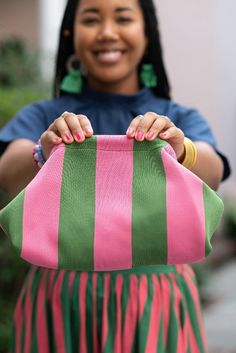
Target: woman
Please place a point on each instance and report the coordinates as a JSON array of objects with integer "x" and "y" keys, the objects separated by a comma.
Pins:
[{"x": 154, "y": 309}]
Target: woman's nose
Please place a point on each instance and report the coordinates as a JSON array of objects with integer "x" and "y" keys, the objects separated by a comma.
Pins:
[{"x": 108, "y": 30}]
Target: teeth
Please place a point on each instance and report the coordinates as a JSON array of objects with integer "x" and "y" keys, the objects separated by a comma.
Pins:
[{"x": 112, "y": 55}]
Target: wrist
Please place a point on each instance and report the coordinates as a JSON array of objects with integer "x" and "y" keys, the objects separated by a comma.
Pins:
[
  {"x": 38, "y": 155},
  {"x": 189, "y": 157}
]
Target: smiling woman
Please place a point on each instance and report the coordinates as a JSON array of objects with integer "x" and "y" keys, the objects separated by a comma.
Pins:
[
  {"x": 110, "y": 34},
  {"x": 124, "y": 90}
]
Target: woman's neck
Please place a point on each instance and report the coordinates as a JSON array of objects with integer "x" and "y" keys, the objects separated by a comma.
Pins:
[{"x": 125, "y": 86}]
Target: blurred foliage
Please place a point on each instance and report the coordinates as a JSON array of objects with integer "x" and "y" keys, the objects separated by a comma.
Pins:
[
  {"x": 19, "y": 64},
  {"x": 20, "y": 84},
  {"x": 13, "y": 99},
  {"x": 229, "y": 222}
]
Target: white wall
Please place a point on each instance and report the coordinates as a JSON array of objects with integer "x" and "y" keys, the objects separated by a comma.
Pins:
[
  {"x": 50, "y": 15},
  {"x": 199, "y": 47}
]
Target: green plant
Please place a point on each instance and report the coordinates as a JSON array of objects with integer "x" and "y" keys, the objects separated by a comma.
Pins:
[{"x": 19, "y": 63}]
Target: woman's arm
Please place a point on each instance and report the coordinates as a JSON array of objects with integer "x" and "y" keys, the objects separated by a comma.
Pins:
[
  {"x": 17, "y": 168},
  {"x": 209, "y": 166}
]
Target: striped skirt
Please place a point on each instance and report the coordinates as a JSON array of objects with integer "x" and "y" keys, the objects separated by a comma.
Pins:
[{"x": 155, "y": 310}]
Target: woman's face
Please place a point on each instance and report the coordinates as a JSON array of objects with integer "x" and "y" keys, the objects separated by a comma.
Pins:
[{"x": 110, "y": 41}]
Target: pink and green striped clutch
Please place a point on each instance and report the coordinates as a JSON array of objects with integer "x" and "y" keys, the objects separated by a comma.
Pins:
[{"x": 112, "y": 203}]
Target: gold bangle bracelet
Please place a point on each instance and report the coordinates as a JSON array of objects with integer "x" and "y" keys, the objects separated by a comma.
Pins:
[{"x": 190, "y": 154}]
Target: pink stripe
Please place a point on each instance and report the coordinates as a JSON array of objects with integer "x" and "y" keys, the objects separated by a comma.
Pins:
[
  {"x": 18, "y": 314},
  {"x": 185, "y": 212},
  {"x": 106, "y": 293},
  {"x": 82, "y": 312},
  {"x": 143, "y": 291},
  {"x": 118, "y": 334},
  {"x": 155, "y": 317},
  {"x": 28, "y": 314},
  {"x": 114, "y": 171},
  {"x": 191, "y": 336},
  {"x": 95, "y": 331},
  {"x": 41, "y": 323},
  {"x": 58, "y": 314},
  {"x": 194, "y": 291},
  {"x": 165, "y": 293},
  {"x": 177, "y": 300},
  {"x": 41, "y": 213},
  {"x": 131, "y": 315},
  {"x": 71, "y": 282}
]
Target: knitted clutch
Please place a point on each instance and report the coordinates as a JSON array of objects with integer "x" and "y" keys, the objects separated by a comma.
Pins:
[{"x": 112, "y": 203}]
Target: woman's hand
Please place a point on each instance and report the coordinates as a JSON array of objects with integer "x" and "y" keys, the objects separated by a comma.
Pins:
[
  {"x": 68, "y": 128},
  {"x": 151, "y": 125}
]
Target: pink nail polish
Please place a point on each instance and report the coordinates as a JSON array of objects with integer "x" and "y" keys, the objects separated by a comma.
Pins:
[
  {"x": 68, "y": 137},
  {"x": 79, "y": 136},
  {"x": 140, "y": 136},
  {"x": 130, "y": 132},
  {"x": 150, "y": 135},
  {"x": 88, "y": 130}
]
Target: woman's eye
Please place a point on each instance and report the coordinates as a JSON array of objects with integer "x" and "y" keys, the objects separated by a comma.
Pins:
[
  {"x": 124, "y": 19},
  {"x": 90, "y": 21}
]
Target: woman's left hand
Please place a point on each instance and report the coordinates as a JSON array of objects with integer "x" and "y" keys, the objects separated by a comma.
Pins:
[{"x": 151, "y": 125}]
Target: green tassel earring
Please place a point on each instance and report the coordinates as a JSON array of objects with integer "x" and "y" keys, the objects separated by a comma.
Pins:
[
  {"x": 147, "y": 76},
  {"x": 72, "y": 82}
]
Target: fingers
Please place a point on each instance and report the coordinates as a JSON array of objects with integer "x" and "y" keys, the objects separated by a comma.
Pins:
[
  {"x": 67, "y": 128},
  {"x": 148, "y": 126},
  {"x": 71, "y": 127}
]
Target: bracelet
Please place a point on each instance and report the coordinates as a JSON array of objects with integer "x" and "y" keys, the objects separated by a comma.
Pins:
[
  {"x": 38, "y": 156},
  {"x": 190, "y": 154}
]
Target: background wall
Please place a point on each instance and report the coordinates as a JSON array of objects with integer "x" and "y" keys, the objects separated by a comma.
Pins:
[{"x": 198, "y": 39}]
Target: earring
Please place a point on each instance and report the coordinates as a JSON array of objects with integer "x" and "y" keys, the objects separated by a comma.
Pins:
[
  {"x": 72, "y": 82},
  {"x": 148, "y": 76}
]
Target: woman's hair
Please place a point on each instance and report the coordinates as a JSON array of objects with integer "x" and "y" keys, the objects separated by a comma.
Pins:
[{"x": 153, "y": 54}]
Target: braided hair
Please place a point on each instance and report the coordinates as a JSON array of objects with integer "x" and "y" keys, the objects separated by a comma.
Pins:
[{"x": 152, "y": 56}]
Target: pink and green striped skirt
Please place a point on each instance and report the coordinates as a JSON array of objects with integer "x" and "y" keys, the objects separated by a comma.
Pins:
[{"x": 150, "y": 310}]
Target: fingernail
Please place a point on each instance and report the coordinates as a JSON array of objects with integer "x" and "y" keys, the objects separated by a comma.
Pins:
[
  {"x": 68, "y": 137},
  {"x": 88, "y": 130},
  {"x": 79, "y": 136},
  {"x": 150, "y": 135},
  {"x": 140, "y": 136},
  {"x": 130, "y": 132}
]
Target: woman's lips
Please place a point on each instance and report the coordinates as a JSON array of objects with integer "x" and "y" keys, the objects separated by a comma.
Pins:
[{"x": 109, "y": 56}]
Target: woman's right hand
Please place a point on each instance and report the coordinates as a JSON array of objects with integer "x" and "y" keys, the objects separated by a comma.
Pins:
[{"x": 68, "y": 128}]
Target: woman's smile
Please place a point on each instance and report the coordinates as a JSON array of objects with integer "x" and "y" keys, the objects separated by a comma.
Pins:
[{"x": 109, "y": 56}]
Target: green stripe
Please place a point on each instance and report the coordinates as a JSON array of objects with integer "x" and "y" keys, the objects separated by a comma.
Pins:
[
  {"x": 109, "y": 346},
  {"x": 75, "y": 326},
  {"x": 149, "y": 200},
  {"x": 193, "y": 314},
  {"x": 173, "y": 328},
  {"x": 145, "y": 320},
  {"x": 22, "y": 343},
  {"x": 89, "y": 313},
  {"x": 100, "y": 295},
  {"x": 13, "y": 226},
  {"x": 49, "y": 313},
  {"x": 214, "y": 208},
  {"x": 125, "y": 297},
  {"x": 161, "y": 344},
  {"x": 34, "y": 291},
  {"x": 76, "y": 229},
  {"x": 65, "y": 303}
]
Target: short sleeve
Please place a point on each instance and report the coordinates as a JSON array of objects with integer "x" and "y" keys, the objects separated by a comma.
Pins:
[
  {"x": 28, "y": 123},
  {"x": 195, "y": 127}
]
